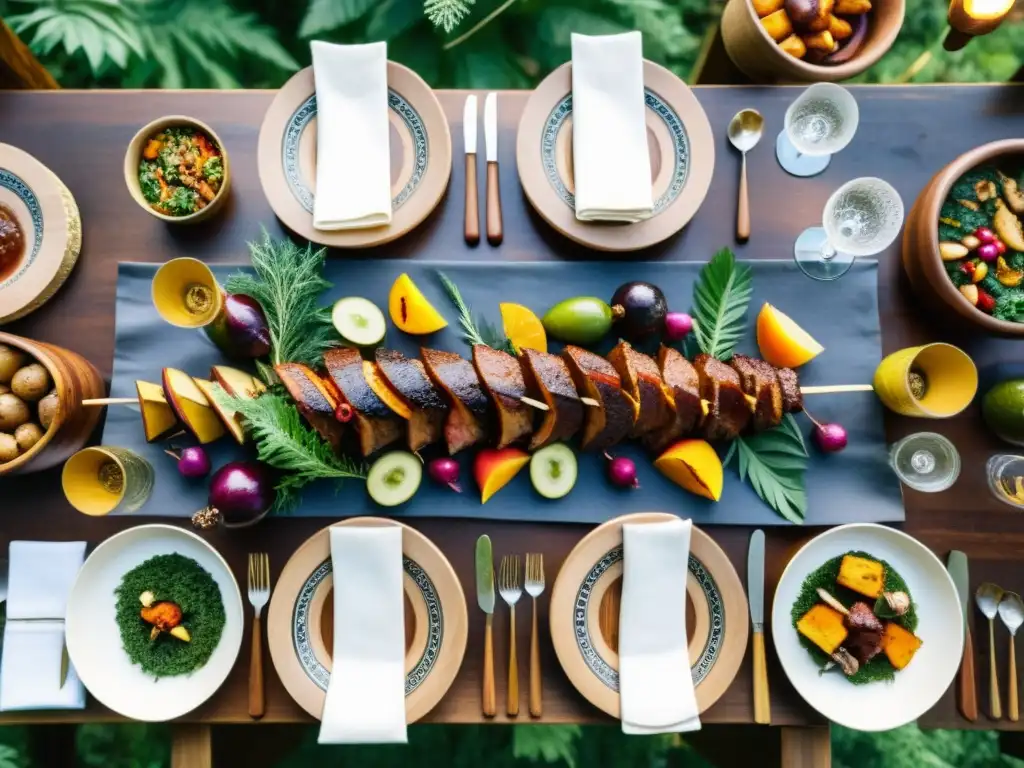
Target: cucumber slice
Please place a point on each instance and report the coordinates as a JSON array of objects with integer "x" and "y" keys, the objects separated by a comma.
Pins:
[
  {"x": 394, "y": 478},
  {"x": 553, "y": 470},
  {"x": 359, "y": 321}
]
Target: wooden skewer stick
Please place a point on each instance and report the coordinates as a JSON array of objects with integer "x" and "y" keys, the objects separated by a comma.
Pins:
[
  {"x": 534, "y": 403},
  {"x": 112, "y": 401},
  {"x": 832, "y": 388},
  {"x": 590, "y": 401}
]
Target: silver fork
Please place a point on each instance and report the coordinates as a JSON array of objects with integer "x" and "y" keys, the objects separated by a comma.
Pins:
[
  {"x": 259, "y": 593},
  {"x": 510, "y": 590},
  {"x": 534, "y": 588}
]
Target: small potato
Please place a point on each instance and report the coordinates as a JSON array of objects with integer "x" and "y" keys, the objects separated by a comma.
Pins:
[
  {"x": 794, "y": 46},
  {"x": 840, "y": 28},
  {"x": 4, "y": 389},
  {"x": 48, "y": 409},
  {"x": 766, "y": 7},
  {"x": 11, "y": 360},
  {"x": 852, "y": 7},
  {"x": 778, "y": 26},
  {"x": 13, "y": 412},
  {"x": 8, "y": 448},
  {"x": 31, "y": 382},
  {"x": 822, "y": 41},
  {"x": 28, "y": 435}
]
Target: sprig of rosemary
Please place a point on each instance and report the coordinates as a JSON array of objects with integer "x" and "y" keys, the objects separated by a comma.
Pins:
[
  {"x": 286, "y": 444},
  {"x": 473, "y": 331},
  {"x": 774, "y": 462},
  {"x": 288, "y": 285},
  {"x": 720, "y": 298}
]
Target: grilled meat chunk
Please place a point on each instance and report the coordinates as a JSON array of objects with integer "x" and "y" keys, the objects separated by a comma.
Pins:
[
  {"x": 641, "y": 380},
  {"x": 376, "y": 424},
  {"x": 316, "y": 399},
  {"x": 471, "y": 410},
  {"x": 595, "y": 377},
  {"x": 792, "y": 398},
  {"x": 502, "y": 377},
  {"x": 548, "y": 376},
  {"x": 683, "y": 385},
  {"x": 427, "y": 407},
  {"x": 728, "y": 409},
  {"x": 865, "y": 639},
  {"x": 759, "y": 381}
]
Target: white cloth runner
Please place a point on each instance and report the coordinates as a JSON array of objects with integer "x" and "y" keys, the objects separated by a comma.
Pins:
[
  {"x": 366, "y": 695},
  {"x": 353, "y": 159},
  {"x": 611, "y": 164},
  {"x": 40, "y": 578},
  {"x": 655, "y": 683}
]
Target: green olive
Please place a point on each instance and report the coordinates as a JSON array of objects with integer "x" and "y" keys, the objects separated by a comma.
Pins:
[{"x": 582, "y": 320}]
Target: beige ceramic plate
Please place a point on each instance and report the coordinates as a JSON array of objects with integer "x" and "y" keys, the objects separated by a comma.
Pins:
[
  {"x": 421, "y": 157},
  {"x": 584, "y": 614},
  {"x": 48, "y": 217},
  {"x": 300, "y": 627},
  {"x": 682, "y": 159}
]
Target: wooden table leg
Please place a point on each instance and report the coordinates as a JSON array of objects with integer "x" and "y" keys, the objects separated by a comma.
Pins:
[
  {"x": 806, "y": 747},
  {"x": 191, "y": 746}
]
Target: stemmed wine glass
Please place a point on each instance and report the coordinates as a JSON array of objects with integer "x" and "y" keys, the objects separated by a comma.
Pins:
[
  {"x": 861, "y": 218},
  {"x": 821, "y": 121}
]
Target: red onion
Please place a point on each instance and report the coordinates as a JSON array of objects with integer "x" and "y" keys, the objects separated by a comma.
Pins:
[
  {"x": 192, "y": 461},
  {"x": 241, "y": 493},
  {"x": 988, "y": 252},
  {"x": 622, "y": 472},
  {"x": 246, "y": 326},
  {"x": 446, "y": 472},
  {"x": 677, "y": 326},
  {"x": 985, "y": 234},
  {"x": 830, "y": 438}
]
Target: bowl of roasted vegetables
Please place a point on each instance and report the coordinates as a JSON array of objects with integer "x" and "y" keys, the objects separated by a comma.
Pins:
[
  {"x": 867, "y": 626},
  {"x": 177, "y": 169},
  {"x": 963, "y": 246}
]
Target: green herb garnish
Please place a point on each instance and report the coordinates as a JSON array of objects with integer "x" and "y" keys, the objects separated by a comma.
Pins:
[
  {"x": 185, "y": 582},
  {"x": 720, "y": 298},
  {"x": 774, "y": 462},
  {"x": 182, "y": 202},
  {"x": 213, "y": 169},
  {"x": 474, "y": 331},
  {"x": 878, "y": 668},
  {"x": 148, "y": 183}
]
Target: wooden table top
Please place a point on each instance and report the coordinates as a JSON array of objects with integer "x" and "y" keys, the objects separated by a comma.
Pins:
[{"x": 906, "y": 134}]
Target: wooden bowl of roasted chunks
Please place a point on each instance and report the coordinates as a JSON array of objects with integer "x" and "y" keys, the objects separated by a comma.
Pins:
[{"x": 809, "y": 40}]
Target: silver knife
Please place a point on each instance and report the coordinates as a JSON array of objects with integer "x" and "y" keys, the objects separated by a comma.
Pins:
[
  {"x": 967, "y": 700},
  {"x": 485, "y": 599},
  {"x": 472, "y": 205},
  {"x": 755, "y": 594},
  {"x": 494, "y": 228}
]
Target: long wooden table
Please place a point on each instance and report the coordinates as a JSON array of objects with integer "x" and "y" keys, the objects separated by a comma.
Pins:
[{"x": 905, "y": 135}]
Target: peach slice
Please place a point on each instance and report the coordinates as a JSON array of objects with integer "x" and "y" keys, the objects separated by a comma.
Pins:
[
  {"x": 237, "y": 383},
  {"x": 693, "y": 465},
  {"x": 191, "y": 406},
  {"x": 410, "y": 310},
  {"x": 782, "y": 342},
  {"x": 494, "y": 468},
  {"x": 158, "y": 418},
  {"x": 230, "y": 419}
]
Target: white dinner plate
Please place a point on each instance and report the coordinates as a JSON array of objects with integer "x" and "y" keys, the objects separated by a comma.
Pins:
[
  {"x": 94, "y": 640},
  {"x": 877, "y": 706}
]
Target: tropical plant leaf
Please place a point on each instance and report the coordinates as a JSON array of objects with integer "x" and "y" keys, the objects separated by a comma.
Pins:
[
  {"x": 774, "y": 463},
  {"x": 546, "y": 743},
  {"x": 446, "y": 14},
  {"x": 325, "y": 15},
  {"x": 720, "y": 298},
  {"x": 391, "y": 18}
]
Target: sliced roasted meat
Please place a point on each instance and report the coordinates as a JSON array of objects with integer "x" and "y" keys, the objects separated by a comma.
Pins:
[
  {"x": 759, "y": 380},
  {"x": 376, "y": 424},
  {"x": 547, "y": 377},
  {"x": 316, "y": 399},
  {"x": 865, "y": 639},
  {"x": 502, "y": 377},
  {"x": 792, "y": 398},
  {"x": 427, "y": 407},
  {"x": 728, "y": 409},
  {"x": 683, "y": 385},
  {"x": 641, "y": 380},
  {"x": 470, "y": 408},
  {"x": 596, "y": 378}
]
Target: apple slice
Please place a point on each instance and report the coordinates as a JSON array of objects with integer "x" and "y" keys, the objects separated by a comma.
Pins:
[
  {"x": 237, "y": 383},
  {"x": 191, "y": 406},
  {"x": 228, "y": 418},
  {"x": 158, "y": 417}
]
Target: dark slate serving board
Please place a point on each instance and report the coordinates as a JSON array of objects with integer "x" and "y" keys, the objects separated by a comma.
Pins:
[{"x": 854, "y": 486}]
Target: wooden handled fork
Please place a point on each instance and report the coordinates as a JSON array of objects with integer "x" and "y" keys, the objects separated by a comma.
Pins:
[{"x": 259, "y": 593}]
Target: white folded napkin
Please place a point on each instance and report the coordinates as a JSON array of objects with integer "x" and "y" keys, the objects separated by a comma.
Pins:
[
  {"x": 40, "y": 577},
  {"x": 366, "y": 695},
  {"x": 611, "y": 164},
  {"x": 655, "y": 683},
  {"x": 353, "y": 159}
]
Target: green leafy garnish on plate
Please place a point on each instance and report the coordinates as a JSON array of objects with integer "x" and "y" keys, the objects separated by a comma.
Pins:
[
  {"x": 473, "y": 331},
  {"x": 774, "y": 462},
  {"x": 720, "y": 298}
]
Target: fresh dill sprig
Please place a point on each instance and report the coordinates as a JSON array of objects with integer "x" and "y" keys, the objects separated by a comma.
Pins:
[
  {"x": 473, "y": 332},
  {"x": 288, "y": 285}
]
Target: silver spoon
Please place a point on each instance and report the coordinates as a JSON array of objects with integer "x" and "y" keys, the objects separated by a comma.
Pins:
[
  {"x": 745, "y": 131},
  {"x": 987, "y": 599},
  {"x": 1011, "y": 611}
]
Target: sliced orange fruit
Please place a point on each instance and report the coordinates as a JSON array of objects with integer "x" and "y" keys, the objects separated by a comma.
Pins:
[
  {"x": 523, "y": 328},
  {"x": 782, "y": 342},
  {"x": 693, "y": 465},
  {"x": 494, "y": 468},
  {"x": 410, "y": 310}
]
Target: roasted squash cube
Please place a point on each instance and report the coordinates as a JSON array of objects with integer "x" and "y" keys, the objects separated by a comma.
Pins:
[
  {"x": 864, "y": 576},
  {"x": 824, "y": 627},
  {"x": 899, "y": 644}
]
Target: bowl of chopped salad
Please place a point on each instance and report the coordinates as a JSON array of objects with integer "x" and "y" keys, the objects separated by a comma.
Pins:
[{"x": 176, "y": 168}]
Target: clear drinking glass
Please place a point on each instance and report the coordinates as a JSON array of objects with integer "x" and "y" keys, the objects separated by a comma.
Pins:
[
  {"x": 861, "y": 218},
  {"x": 821, "y": 121},
  {"x": 925, "y": 461},
  {"x": 1006, "y": 478}
]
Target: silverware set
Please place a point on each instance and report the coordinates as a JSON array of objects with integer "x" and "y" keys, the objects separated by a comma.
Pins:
[
  {"x": 259, "y": 594},
  {"x": 493, "y": 191},
  {"x": 994, "y": 601}
]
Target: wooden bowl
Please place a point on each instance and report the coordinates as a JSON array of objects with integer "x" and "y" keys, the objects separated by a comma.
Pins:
[
  {"x": 921, "y": 257},
  {"x": 134, "y": 155},
  {"x": 759, "y": 57},
  {"x": 76, "y": 380}
]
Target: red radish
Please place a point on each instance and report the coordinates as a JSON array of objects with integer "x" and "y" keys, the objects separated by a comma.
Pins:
[
  {"x": 830, "y": 438},
  {"x": 192, "y": 461},
  {"x": 988, "y": 252},
  {"x": 622, "y": 472},
  {"x": 1000, "y": 246},
  {"x": 985, "y": 234},
  {"x": 677, "y": 326},
  {"x": 446, "y": 472}
]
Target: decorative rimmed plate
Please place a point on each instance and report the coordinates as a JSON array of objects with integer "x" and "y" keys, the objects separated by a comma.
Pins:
[
  {"x": 421, "y": 157},
  {"x": 875, "y": 706},
  {"x": 682, "y": 152},
  {"x": 94, "y": 640},
  {"x": 48, "y": 218},
  {"x": 584, "y": 614},
  {"x": 300, "y": 627}
]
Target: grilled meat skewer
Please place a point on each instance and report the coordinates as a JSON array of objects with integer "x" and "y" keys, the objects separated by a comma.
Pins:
[
  {"x": 427, "y": 406},
  {"x": 502, "y": 377},
  {"x": 316, "y": 398},
  {"x": 642, "y": 381},
  {"x": 548, "y": 376},
  {"x": 376, "y": 424},
  {"x": 471, "y": 411},
  {"x": 595, "y": 377}
]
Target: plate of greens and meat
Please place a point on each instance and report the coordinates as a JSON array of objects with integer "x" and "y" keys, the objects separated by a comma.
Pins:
[
  {"x": 868, "y": 626},
  {"x": 154, "y": 622}
]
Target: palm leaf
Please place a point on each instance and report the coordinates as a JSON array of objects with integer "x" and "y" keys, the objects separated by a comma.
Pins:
[
  {"x": 325, "y": 15},
  {"x": 774, "y": 463},
  {"x": 720, "y": 298}
]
